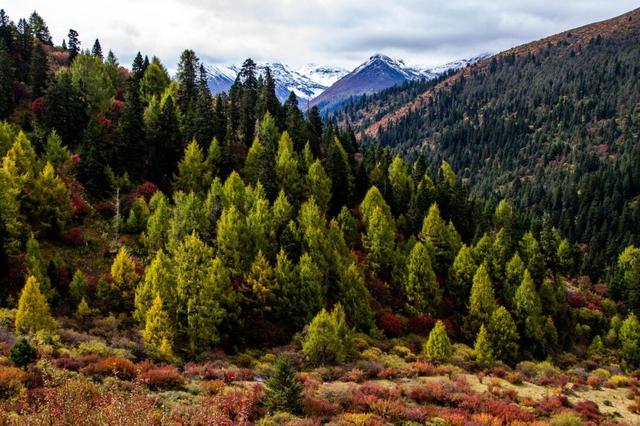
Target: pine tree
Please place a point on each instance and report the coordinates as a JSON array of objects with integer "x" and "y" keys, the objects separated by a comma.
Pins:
[
  {"x": 319, "y": 185},
  {"x": 503, "y": 334},
  {"x": 193, "y": 175},
  {"x": 444, "y": 239},
  {"x": 421, "y": 290},
  {"x": 131, "y": 149},
  {"x": 163, "y": 139},
  {"x": 38, "y": 70},
  {"x": 156, "y": 235},
  {"x": 158, "y": 333},
  {"x": 528, "y": 312},
  {"x": 401, "y": 184},
  {"x": 629, "y": 335},
  {"x": 565, "y": 257},
  {"x": 438, "y": 346},
  {"x": 354, "y": 297},
  {"x": 39, "y": 28},
  {"x": 379, "y": 240},
  {"x": 6, "y": 82},
  {"x": 33, "y": 311},
  {"x": 96, "y": 50},
  {"x": 36, "y": 266},
  {"x": 187, "y": 80},
  {"x": 230, "y": 239},
  {"x": 137, "y": 67},
  {"x": 532, "y": 256},
  {"x": 461, "y": 273},
  {"x": 514, "y": 271},
  {"x": 328, "y": 339},
  {"x": 338, "y": 168},
  {"x": 482, "y": 349},
  {"x": 124, "y": 277},
  {"x": 50, "y": 200},
  {"x": 159, "y": 279},
  {"x": 22, "y": 353},
  {"x": 284, "y": 391},
  {"x": 154, "y": 81},
  {"x": 372, "y": 200},
  {"x": 261, "y": 285},
  {"x": 66, "y": 109},
  {"x": 288, "y": 168},
  {"x": 482, "y": 302},
  {"x": 73, "y": 46},
  {"x": 78, "y": 287},
  {"x": 203, "y": 295}
]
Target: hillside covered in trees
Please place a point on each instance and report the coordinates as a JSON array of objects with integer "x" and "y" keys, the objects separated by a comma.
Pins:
[
  {"x": 552, "y": 126},
  {"x": 160, "y": 246}
]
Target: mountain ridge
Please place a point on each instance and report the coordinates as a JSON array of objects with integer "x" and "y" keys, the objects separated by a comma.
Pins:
[{"x": 580, "y": 34}]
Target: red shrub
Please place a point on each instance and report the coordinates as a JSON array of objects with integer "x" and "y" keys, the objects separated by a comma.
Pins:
[
  {"x": 390, "y": 373},
  {"x": 551, "y": 404},
  {"x": 354, "y": 375},
  {"x": 433, "y": 393},
  {"x": 113, "y": 366},
  {"x": 320, "y": 407},
  {"x": 79, "y": 205},
  {"x": 371, "y": 388},
  {"x": 165, "y": 377},
  {"x": 75, "y": 159},
  {"x": 74, "y": 237},
  {"x": 68, "y": 364},
  {"x": 393, "y": 325},
  {"x": 508, "y": 412},
  {"x": 85, "y": 360},
  {"x": 145, "y": 189},
  {"x": 576, "y": 300},
  {"x": 37, "y": 105},
  {"x": 241, "y": 404},
  {"x": 420, "y": 324},
  {"x": 423, "y": 368},
  {"x": 588, "y": 410}
]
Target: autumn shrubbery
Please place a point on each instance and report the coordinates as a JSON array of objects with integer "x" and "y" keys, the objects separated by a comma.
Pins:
[
  {"x": 120, "y": 368},
  {"x": 11, "y": 382},
  {"x": 163, "y": 377}
]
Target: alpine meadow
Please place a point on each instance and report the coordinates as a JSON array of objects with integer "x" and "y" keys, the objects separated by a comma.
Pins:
[{"x": 346, "y": 241}]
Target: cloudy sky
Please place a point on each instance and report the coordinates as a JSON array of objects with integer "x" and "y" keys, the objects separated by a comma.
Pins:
[{"x": 332, "y": 32}]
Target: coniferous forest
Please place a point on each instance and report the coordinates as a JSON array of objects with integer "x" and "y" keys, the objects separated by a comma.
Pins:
[{"x": 169, "y": 256}]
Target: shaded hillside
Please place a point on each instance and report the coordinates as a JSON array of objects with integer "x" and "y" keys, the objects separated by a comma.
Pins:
[{"x": 552, "y": 125}]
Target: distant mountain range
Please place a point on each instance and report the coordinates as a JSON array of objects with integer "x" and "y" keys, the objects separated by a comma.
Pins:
[
  {"x": 378, "y": 73},
  {"x": 307, "y": 82},
  {"x": 329, "y": 87}
]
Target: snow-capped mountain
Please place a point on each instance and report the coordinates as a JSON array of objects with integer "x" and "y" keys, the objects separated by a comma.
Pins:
[
  {"x": 378, "y": 73},
  {"x": 307, "y": 83}
]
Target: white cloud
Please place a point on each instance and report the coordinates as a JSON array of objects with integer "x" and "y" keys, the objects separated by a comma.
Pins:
[{"x": 322, "y": 31}]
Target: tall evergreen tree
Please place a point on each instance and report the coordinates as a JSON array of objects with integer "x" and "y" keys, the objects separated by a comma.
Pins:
[
  {"x": 38, "y": 70},
  {"x": 6, "y": 82},
  {"x": 96, "y": 50},
  {"x": 73, "y": 46}
]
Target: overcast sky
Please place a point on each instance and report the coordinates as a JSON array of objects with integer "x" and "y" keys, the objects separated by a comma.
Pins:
[{"x": 295, "y": 32}]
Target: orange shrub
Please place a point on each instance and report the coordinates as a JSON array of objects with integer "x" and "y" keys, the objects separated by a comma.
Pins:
[
  {"x": 165, "y": 377},
  {"x": 11, "y": 379},
  {"x": 113, "y": 366}
]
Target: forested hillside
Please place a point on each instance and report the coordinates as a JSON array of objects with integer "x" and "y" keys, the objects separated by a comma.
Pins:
[
  {"x": 161, "y": 246},
  {"x": 552, "y": 125}
]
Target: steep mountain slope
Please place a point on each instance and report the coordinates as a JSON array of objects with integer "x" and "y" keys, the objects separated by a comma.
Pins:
[
  {"x": 380, "y": 72},
  {"x": 551, "y": 124},
  {"x": 306, "y": 83}
]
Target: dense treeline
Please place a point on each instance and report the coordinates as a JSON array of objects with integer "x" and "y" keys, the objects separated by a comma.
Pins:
[
  {"x": 556, "y": 131},
  {"x": 237, "y": 219}
]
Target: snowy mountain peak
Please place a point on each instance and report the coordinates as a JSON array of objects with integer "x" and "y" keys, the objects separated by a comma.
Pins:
[{"x": 307, "y": 82}]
